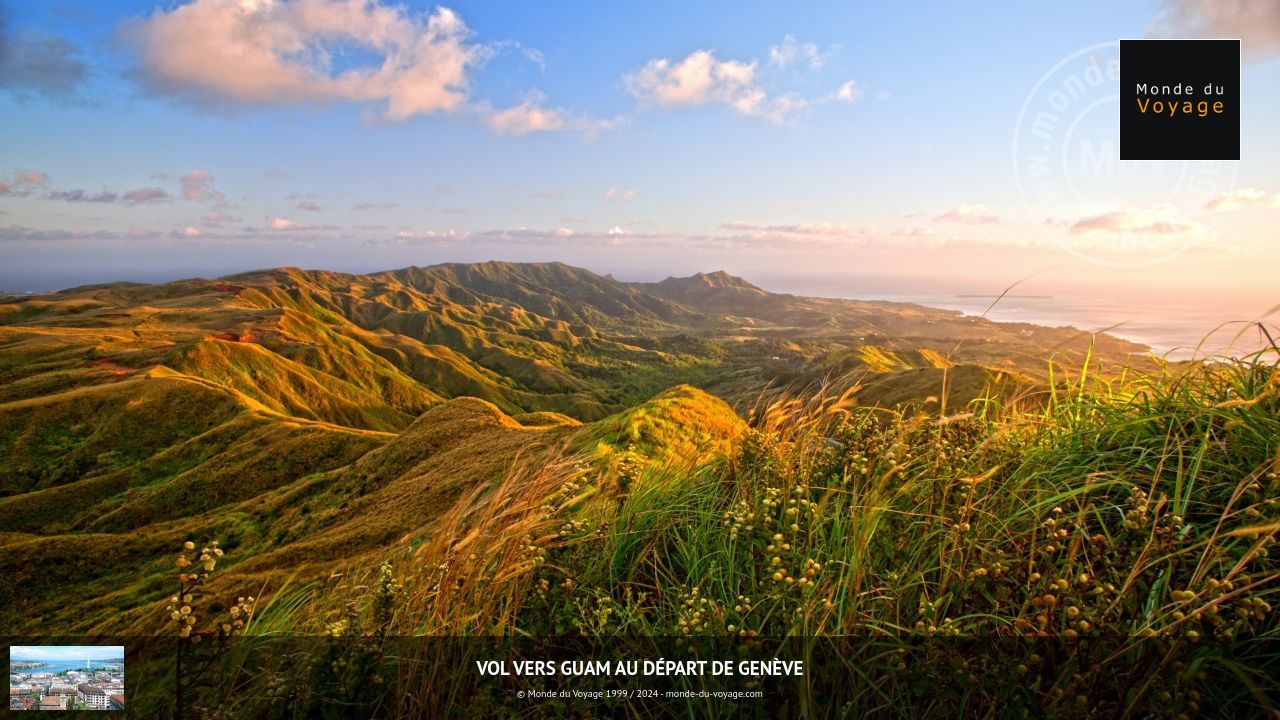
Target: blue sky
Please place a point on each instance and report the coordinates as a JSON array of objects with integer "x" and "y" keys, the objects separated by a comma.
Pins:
[
  {"x": 51, "y": 653},
  {"x": 867, "y": 141}
]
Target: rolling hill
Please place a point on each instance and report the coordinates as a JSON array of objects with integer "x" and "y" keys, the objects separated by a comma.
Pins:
[{"x": 311, "y": 418}]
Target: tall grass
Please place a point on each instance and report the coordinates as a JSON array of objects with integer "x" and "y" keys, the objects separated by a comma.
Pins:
[{"x": 1125, "y": 507}]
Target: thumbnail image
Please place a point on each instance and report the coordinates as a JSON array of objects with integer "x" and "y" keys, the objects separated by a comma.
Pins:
[{"x": 66, "y": 677}]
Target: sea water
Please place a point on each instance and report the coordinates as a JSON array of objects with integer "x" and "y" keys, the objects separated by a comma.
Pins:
[
  {"x": 57, "y": 666},
  {"x": 1172, "y": 330}
]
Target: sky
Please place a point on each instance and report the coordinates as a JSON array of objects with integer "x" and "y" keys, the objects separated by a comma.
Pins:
[
  {"x": 851, "y": 149},
  {"x": 66, "y": 653}
]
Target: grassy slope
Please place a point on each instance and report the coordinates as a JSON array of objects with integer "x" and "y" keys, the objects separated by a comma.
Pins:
[
  {"x": 1112, "y": 510},
  {"x": 269, "y": 409},
  {"x": 1129, "y": 493},
  {"x": 117, "y": 471},
  {"x": 267, "y": 492}
]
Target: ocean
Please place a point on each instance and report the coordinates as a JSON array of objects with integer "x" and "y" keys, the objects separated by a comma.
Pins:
[
  {"x": 57, "y": 666},
  {"x": 1177, "y": 324},
  {"x": 1174, "y": 331},
  {"x": 1174, "y": 326}
]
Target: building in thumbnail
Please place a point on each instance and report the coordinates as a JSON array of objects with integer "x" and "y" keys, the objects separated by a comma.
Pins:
[{"x": 93, "y": 696}]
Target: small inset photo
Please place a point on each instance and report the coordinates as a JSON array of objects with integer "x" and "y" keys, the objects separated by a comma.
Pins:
[{"x": 66, "y": 677}]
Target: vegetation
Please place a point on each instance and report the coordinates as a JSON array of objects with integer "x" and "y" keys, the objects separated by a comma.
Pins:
[
  {"x": 531, "y": 451},
  {"x": 299, "y": 415},
  {"x": 1142, "y": 510}
]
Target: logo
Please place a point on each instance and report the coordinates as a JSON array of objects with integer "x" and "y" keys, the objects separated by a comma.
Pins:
[
  {"x": 1180, "y": 99},
  {"x": 1087, "y": 196}
]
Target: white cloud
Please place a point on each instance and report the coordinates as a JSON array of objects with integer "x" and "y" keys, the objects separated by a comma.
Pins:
[
  {"x": 849, "y": 92},
  {"x": 1242, "y": 198},
  {"x": 791, "y": 52},
  {"x": 1255, "y": 22},
  {"x": 970, "y": 215},
  {"x": 617, "y": 193},
  {"x": 1157, "y": 220},
  {"x": 270, "y": 52},
  {"x": 739, "y": 225},
  {"x": 409, "y": 237},
  {"x": 286, "y": 224},
  {"x": 190, "y": 232},
  {"x": 701, "y": 78},
  {"x": 532, "y": 115},
  {"x": 617, "y": 231},
  {"x": 277, "y": 52}
]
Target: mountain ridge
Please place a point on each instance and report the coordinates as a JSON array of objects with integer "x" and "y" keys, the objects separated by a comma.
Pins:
[{"x": 308, "y": 417}]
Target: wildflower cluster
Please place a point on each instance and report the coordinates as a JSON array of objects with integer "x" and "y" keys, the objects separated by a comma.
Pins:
[
  {"x": 1218, "y": 609},
  {"x": 387, "y": 593},
  {"x": 596, "y": 614},
  {"x": 742, "y": 609},
  {"x": 760, "y": 453},
  {"x": 697, "y": 614},
  {"x": 183, "y": 609},
  {"x": 627, "y": 472},
  {"x": 739, "y": 519}
]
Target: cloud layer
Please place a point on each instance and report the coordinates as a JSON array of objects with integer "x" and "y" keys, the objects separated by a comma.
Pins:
[{"x": 29, "y": 183}]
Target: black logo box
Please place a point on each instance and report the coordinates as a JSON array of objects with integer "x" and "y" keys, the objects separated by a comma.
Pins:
[{"x": 1186, "y": 65}]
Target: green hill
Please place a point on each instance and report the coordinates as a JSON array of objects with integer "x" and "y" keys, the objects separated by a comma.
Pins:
[{"x": 309, "y": 419}]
